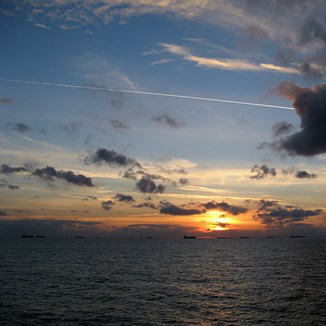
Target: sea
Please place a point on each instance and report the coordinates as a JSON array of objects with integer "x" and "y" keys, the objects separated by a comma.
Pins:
[{"x": 99, "y": 281}]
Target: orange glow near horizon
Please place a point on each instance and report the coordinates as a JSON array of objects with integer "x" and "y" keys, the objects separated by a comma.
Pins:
[{"x": 218, "y": 221}]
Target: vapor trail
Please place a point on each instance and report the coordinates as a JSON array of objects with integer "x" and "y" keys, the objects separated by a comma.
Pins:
[{"x": 188, "y": 97}]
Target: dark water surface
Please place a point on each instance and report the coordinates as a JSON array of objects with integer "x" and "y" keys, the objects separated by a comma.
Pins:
[{"x": 157, "y": 282}]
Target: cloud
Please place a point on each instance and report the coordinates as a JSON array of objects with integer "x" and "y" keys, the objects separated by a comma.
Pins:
[
  {"x": 281, "y": 128},
  {"x": 223, "y": 206},
  {"x": 110, "y": 157},
  {"x": 166, "y": 119},
  {"x": 309, "y": 104},
  {"x": 171, "y": 209},
  {"x": 6, "y": 101},
  {"x": 275, "y": 216},
  {"x": 3, "y": 213},
  {"x": 6, "y": 169},
  {"x": 145, "y": 205},
  {"x": 225, "y": 64},
  {"x": 147, "y": 185},
  {"x": 124, "y": 198},
  {"x": 305, "y": 175},
  {"x": 295, "y": 27},
  {"x": 262, "y": 171},
  {"x": 183, "y": 181},
  {"x": 50, "y": 174},
  {"x": 107, "y": 205},
  {"x": 19, "y": 127},
  {"x": 117, "y": 124},
  {"x": 4, "y": 184}
]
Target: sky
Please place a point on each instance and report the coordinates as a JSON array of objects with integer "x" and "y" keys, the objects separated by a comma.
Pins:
[{"x": 86, "y": 148}]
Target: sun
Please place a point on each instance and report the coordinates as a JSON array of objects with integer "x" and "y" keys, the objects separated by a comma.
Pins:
[{"x": 218, "y": 221}]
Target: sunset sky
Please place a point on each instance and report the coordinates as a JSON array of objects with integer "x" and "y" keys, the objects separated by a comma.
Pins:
[{"x": 89, "y": 161}]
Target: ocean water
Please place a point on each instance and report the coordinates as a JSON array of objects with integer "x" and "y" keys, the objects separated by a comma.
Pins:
[{"x": 158, "y": 282}]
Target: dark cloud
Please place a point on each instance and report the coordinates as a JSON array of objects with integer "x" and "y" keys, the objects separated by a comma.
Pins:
[
  {"x": 277, "y": 217},
  {"x": 267, "y": 204},
  {"x": 107, "y": 205},
  {"x": 310, "y": 105},
  {"x": 222, "y": 224},
  {"x": 49, "y": 173},
  {"x": 124, "y": 198},
  {"x": 171, "y": 209},
  {"x": 146, "y": 205},
  {"x": 109, "y": 157},
  {"x": 167, "y": 120},
  {"x": 3, "y": 213},
  {"x": 6, "y": 100},
  {"x": 262, "y": 171},
  {"x": 19, "y": 127},
  {"x": 117, "y": 124},
  {"x": 305, "y": 175},
  {"x": 223, "y": 206},
  {"x": 4, "y": 184},
  {"x": 6, "y": 169},
  {"x": 183, "y": 181},
  {"x": 147, "y": 185},
  {"x": 130, "y": 174},
  {"x": 281, "y": 128}
]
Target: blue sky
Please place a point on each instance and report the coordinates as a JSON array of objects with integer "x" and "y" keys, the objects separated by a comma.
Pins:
[{"x": 200, "y": 152}]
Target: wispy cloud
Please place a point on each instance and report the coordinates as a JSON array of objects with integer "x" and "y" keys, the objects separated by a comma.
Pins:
[{"x": 223, "y": 63}]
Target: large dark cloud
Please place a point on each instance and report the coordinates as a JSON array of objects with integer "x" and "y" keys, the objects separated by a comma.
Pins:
[
  {"x": 262, "y": 171},
  {"x": 6, "y": 169},
  {"x": 171, "y": 209},
  {"x": 272, "y": 214},
  {"x": 223, "y": 206},
  {"x": 310, "y": 105},
  {"x": 168, "y": 120},
  {"x": 49, "y": 173},
  {"x": 110, "y": 157},
  {"x": 3, "y": 213},
  {"x": 147, "y": 185}
]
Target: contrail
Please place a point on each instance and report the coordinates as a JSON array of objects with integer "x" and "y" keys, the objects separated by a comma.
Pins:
[{"x": 188, "y": 97}]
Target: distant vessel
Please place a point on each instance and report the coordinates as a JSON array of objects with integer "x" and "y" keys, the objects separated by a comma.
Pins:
[
  {"x": 189, "y": 237},
  {"x": 244, "y": 237},
  {"x": 297, "y": 236},
  {"x": 223, "y": 237},
  {"x": 79, "y": 237},
  {"x": 40, "y": 236},
  {"x": 27, "y": 236}
]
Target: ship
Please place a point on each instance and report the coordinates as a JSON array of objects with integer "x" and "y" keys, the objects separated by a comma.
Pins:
[{"x": 189, "y": 237}]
